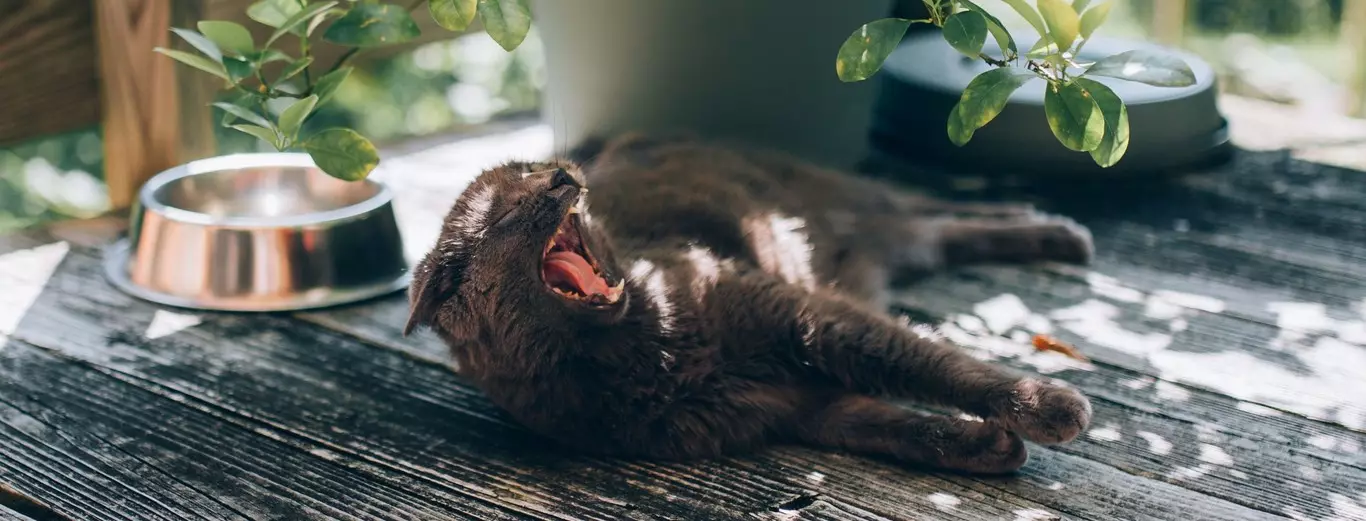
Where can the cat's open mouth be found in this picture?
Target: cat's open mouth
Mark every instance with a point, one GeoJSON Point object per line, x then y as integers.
{"type": "Point", "coordinates": [571, 271]}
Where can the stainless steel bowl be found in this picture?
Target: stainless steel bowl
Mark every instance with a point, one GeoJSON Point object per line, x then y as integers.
{"type": "Point", "coordinates": [259, 232]}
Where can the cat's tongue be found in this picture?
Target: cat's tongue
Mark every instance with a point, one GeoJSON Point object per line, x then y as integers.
{"type": "Point", "coordinates": [572, 268]}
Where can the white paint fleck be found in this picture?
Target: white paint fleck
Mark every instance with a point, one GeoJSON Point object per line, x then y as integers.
{"type": "Point", "coordinates": [1034, 514]}
{"type": "Point", "coordinates": [944, 502]}
{"type": "Point", "coordinates": [23, 274]}
{"type": "Point", "coordinates": [1322, 441]}
{"type": "Point", "coordinates": [165, 323]}
{"type": "Point", "coordinates": [1002, 312]}
{"type": "Point", "coordinates": [1110, 287]}
{"type": "Point", "coordinates": [1156, 443]}
{"type": "Point", "coordinates": [970, 323]}
{"type": "Point", "coordinates": [1311, 473]}
{"type": "Point", "coordinates": [1171, 392]}
{"type": "Point", "coordinates": [1038, 324]}
{"type": "Point", "coordinates": [815, 477]}
{"type": "Point", "coordinates": [1352, 332]}
{"type": "Point", "coordinates": [1346, 508]}
{"type": "Point", "coordinates": [985, 346]}
{"type": "Point", "coordinates": [1140, 383]}
{"type": "Point", "coordinates": [1108, 432]}
{"type": "Point", "coordinates": [1306, 317]}
{"type": "Point", "coordinates": [782, 247]}
{"type": "Point", "coordinates": [1054, 486]}
{"type": "Point", "coordinates": [1214, 455]}
{"type": "Point", "coordinates": [1206, 432]}
{"type": "Point", "coordinates": [970, 417]}
{"type": "Point", "coordinates": [1186, 473]}
{"type": "Point", "coordinates": [1095, 321]}
{"type": "Point", "coordinates": [1238, 474]}
{"type": "Point", "coordinates": [1178, 325]}
{"type": "Point", "coordinates": [1019, 336]}
{"type": "Point", "coordinates": [1257, 409]}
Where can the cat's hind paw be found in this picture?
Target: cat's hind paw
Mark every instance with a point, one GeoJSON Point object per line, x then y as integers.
{"type": "Point", "coordinates": [985, 447]}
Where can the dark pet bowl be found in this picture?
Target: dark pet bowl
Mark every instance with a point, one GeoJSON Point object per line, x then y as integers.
{"type": "Point", "coordinates": [1172, 130]}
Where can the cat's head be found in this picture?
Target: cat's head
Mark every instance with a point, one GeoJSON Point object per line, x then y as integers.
{"type": "Point", "coordinates": [516, 246]}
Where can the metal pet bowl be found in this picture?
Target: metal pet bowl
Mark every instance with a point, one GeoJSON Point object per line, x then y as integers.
{"type": "Point", "coordinates": [258, 232]}
{"type": "Point", "coordinates": [1170, 129]}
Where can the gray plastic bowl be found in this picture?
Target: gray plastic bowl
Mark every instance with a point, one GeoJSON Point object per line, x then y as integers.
{"type": "Point", "coordinates": [1171, 129]}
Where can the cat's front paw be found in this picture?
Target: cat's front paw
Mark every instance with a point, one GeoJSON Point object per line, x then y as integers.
{"type": "Point", "coordinates": [984, 447]}
{"type": "Point", "coordinates": [1043, 413]}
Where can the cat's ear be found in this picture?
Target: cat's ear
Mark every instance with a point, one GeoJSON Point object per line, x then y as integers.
{"type": "Point", "coordinates": [433, 284]}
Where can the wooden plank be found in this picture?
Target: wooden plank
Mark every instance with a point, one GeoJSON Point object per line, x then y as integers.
{"type": "Point", "coordinates": [138, 96]}
{"type": "Point", "coordinates": [360, 402]}
{"type": "Point", "coordinates": [95, 447]}
{"type": "Point", "coordinates": [47, 69]}
{"type": "Point", "coordinates": [280, 366]}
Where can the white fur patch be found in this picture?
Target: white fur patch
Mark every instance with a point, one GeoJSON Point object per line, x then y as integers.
{"type": "Point", "coordinates": [783, 247]}
{"type": "Point", "coordinates": [475, 217]}
{"type": "Point", "coordinates": [706, 270]}
{"type": "Point", "coordinates": [659, 295]}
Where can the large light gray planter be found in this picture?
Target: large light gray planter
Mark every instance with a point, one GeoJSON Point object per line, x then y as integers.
{"type": "Point", "coordinates": [762, 71]}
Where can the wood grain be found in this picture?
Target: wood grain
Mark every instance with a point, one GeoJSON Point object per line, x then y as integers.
{"type": "Point", "coordinates": [47, 69]}
{"type": "Point", "coordinates": [402, 411]}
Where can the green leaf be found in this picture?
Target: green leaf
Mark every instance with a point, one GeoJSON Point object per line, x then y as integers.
{"type": "Point", "coordinates": [327, 85]}
{"type": "Point", "coordinates": [238, 69]}
{"type": "Point", "coordinates": [293, 117]}
{"type": "Point", "coordinates": [274, 12]}
{"type": "Point", "coordinates": [342, 153]}
{"type": "Point", "coordinates": [240, 112]}
{"type": "Point", "coordinates": [864, 51]}
{"type": "Point", "coordinates": [1116, 139]}
{"type": "Point", "coordinates": [453, 15]}
{"type": "Point", "coordinates": [262, 133]}
{"type": "Point", "coordinates": [1145, 66]}
{"type": "Point", "coordinates": [1029, 15]}
{"type": "Point", "coordinates": [196, 61]}
{"type": "Point", "coordinates": [1042, 48]}
{"type": "Point", "coordinates": [506, 21]}
{"type": "Point", "coordinates": [1063, 24]}
{"type": "Point", "coordinates": [269, 55]}
{"type": "Point", "coordinates": [1080, 5]}
{"type": "Point", "coordinates": [372, 25]}
{"type": "Point", "coordinates": [1093, 18]}
{"type": "Point", "coordinates": [294, 20]}
{"type": "Point", "coordinates": [228, 36]}
{"type": "Point", "coordinates": [998, 29]}
{"type": "Point", "coordinates": [320, 18]}
{"type": "Point", "coordinates": [295, 68]}
{"type": "Point", "coordinates": [982, 100]}
{"type": "Point", "coordinates": [1075, 118]}
{"type": "Point", "coordinates": [966, 31]}
{"type": "Point", "coordinates": [198, 41]}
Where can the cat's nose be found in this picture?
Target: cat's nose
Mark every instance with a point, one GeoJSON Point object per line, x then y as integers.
{"type": "Point", "coordinates": [561, 178]}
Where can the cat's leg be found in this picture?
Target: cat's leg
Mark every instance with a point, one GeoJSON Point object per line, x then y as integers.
{"type": "Point", "coordinates": [732, 415]}
{"type": "Point", "coordinates": [871, 353]}
{"type": "Point", "coordinates": [865, 425]}
{"type": "Point", "coordinates": [932, 244]}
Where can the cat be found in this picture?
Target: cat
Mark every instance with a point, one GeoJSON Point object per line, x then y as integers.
{"type": "Point", "coordinates": [674, 299]}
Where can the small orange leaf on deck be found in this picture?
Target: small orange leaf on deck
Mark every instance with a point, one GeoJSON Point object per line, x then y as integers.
{"type": "Point", "coordinates": [1048, 343]}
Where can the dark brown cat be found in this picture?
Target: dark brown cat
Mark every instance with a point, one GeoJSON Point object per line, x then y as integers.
{"type": "Point", "coordinates": [701, 300]}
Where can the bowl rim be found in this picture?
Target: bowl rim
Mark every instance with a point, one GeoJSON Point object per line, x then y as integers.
{"type": "Point", "coordinates": [219, 163]}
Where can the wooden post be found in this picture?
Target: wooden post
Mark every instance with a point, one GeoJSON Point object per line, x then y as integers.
{"type": "Point", "coordinates": [1169, 21]}
{"type": "Point", "coordinates": [138, 94]}
{"type": "Point", "coordinates": [1353, 38]}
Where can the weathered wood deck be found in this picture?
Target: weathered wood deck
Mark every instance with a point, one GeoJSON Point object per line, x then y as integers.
{"type": "Point", "coordinates": [1225, 318]}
